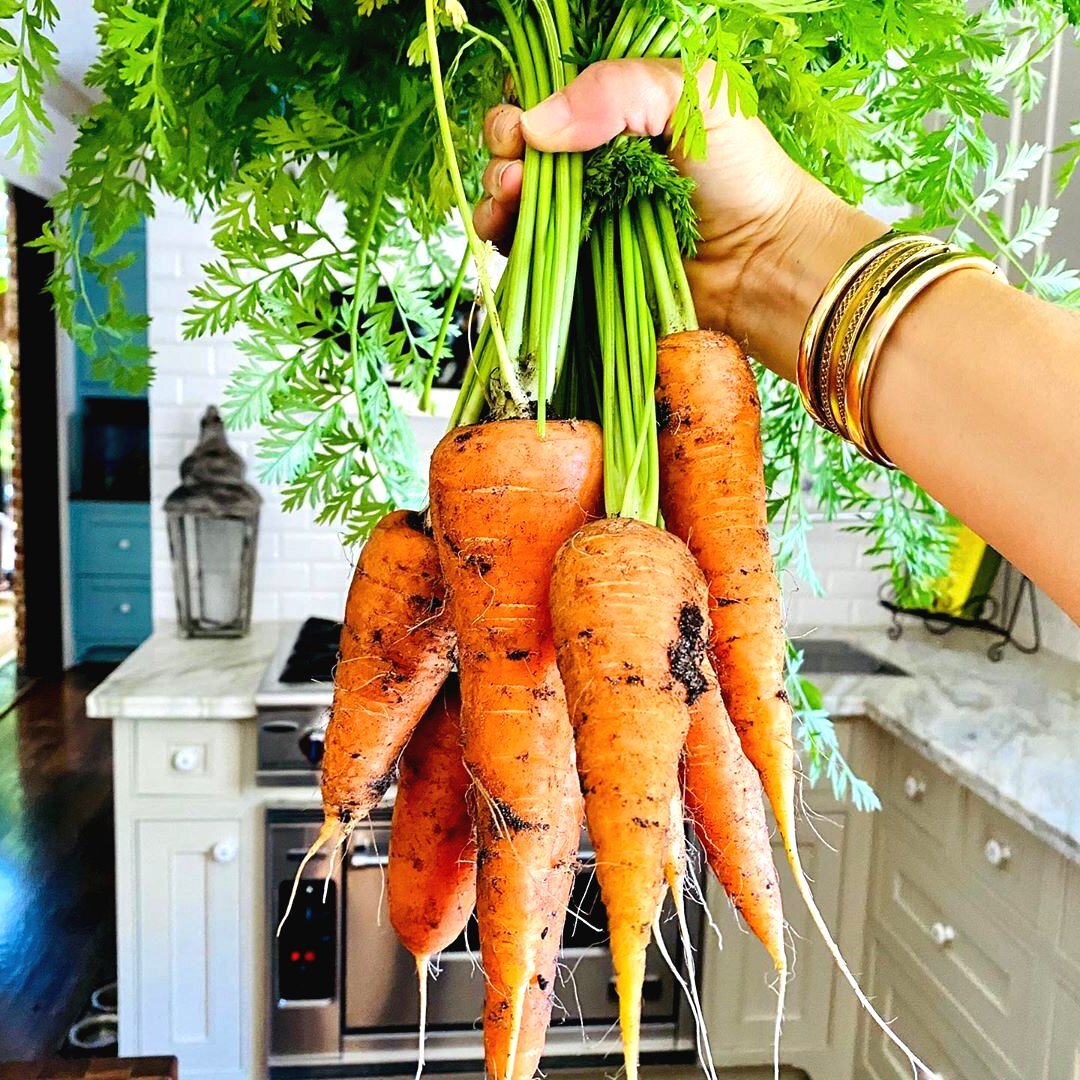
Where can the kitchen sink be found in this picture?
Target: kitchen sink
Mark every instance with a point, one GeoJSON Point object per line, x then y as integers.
{"type": "Point", "coordinates": [827, 656]}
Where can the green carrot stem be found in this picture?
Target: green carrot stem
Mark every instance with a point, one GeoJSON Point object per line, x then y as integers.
{"type": "Point", "coordinates": [605, 310]}
{"type": "Point", "coordinates": [622, 33]}
{"type": "Point", "coordinates": [676, 269]}
{"type": "Point", "coordinates": [622, 358]}
{"type": "Point", "coordinates": [666, 43]}
{"type": "Point", "coordinates": [645, 35]}
{"type": "Point", "coordinates": [479, 252]}
{"type": "Point", "coordinates": [653, 247]}
{"type": "Point", "coordinates": [516, 274]}
{"type": "Point", "coordinates": [444, 328]}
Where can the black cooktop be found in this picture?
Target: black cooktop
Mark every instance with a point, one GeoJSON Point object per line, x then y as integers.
{"type": "Point", "coordinates": [314, 653]}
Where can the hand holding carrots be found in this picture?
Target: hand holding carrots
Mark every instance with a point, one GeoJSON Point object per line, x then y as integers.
{"type": "Point", "coordinates": [764, 221]}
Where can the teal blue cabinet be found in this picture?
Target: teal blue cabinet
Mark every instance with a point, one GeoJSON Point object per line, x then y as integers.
{"type": "Point", "coordinates": [110, 561]}
{"type": "Point", "coordinates": [133, 280]}
{"type": "Point", "coordinates": [108, 511]}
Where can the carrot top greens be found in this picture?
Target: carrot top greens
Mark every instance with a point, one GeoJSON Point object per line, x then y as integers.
{"type": "Point", "coordinates": [313, 133]}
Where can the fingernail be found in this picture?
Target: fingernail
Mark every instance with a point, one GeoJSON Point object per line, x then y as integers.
{"type": "Point", "coordinates": [503, 126]}
{"type": "Point", "coordinates": [548, 118]}
{"type": "Point", "coordinates": [497, 174]}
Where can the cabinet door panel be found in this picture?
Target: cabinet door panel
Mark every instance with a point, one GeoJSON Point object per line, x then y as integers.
{"type": "Point", "coordinates": [952, 933]}
{"type": "Point", "coordinates": [1064, 1060]}
{"type": "Point", "coordinates": [921, 1013]}
{"type": "Point", "coordinates": [1069, 928]}
{"type": "Point", "coordinates": [189, 953]}
{"type": "Point", "coordinates": [739, 980]}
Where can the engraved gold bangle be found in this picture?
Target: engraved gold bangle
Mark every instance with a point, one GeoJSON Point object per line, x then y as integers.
{"type": "Point", "coordinates": [849, 316]}
{"type": "Point", "coordinates": [811, 338]}
{"type": "Point", "coordinates": [822, 309]}
{"type": "Point", "coordinates": [876, 328]}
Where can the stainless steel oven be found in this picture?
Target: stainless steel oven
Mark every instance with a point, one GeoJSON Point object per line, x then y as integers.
{"type": "Point", "coordinates": [343, 995]}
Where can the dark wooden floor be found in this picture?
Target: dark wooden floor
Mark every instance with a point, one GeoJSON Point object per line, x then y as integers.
{"type": "Point", "coordinates": [56, 862]}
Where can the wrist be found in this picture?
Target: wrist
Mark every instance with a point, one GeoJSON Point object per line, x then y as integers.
{"type": "Point", "coordinates": [762, 290]}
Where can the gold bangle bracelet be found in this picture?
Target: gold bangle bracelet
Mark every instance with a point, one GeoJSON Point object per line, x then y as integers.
{"type": "Point", "coordinates": [811, 336]}
{"type": "Point", "coordinates": [849, 316]}
{"type": "Point", "coordinates": [881, 320]}
{"type": "Point", "coordinates": [822, 310]}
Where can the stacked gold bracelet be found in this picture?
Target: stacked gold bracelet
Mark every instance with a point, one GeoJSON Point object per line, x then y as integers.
{"type": "Point", "coordinates": [851, 320]}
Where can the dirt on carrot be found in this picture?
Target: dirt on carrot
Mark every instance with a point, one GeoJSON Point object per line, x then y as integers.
{"type": "Point", "coordinates": [503, 500]}
{"type": "Point", "coordinates": [396, 651]}
{"type": "Point", "coordinates": [628, 609]}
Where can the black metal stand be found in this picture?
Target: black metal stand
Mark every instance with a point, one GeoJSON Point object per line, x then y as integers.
{"type": "Point", "coordinates": [990, 614]}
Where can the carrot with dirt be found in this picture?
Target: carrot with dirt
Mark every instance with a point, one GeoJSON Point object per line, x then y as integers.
{"type": "Point", "coordinates": [396, 652]}
{"type": "Point", "coordinates": [723, 799]}
{"type": "Point", "coordinates": [713, 494]}
{"type": "Point", "coordinates": [503, 500]}
{"type": "Point", "coordinates": [431, 870]}
{"type": "Point", "coordinates": [629, 607]}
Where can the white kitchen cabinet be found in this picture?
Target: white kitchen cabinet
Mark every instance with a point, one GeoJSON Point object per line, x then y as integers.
{"type": "Point", "coordinates": [191, 962]}
{"type": "Point", "coordinates": [1063, 1059]}
{"type": "Point", "coordinates": [738, 981]}
{"type": "Point", "coordinates": [187, 881]}
{"type": "Point", "coordinates": [971, 918]}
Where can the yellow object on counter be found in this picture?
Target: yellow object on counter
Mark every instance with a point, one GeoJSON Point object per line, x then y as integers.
{"type": "Point", "coordinates": [954, 592]}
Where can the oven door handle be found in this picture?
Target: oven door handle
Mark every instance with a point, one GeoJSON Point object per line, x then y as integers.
{"type": "Point", "coordinates": [362, 860]}
{"type": "Point", "coordinates": [298, 854]}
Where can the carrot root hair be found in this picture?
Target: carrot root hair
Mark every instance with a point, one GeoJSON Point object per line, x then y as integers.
{"type": "Point", "coordinates": [781, 999]}
{"type": "Point", "coordinates": [422, 982]}
{"type": "Point", "coordinates": [332, 829]}
{"type": "Point", "coordinates": [689, 984]}
{"type": "Point", "coordinates": [918, 1066]}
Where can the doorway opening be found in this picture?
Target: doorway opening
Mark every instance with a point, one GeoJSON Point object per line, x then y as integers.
{"type": "Point", "coordinates": [31, 591]}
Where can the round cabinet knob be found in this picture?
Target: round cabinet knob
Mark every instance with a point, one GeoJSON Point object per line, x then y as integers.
{"type": "Point", "coordinates": [124, 608]}
{"type": "Point", "coordinates": [186, 759]}
{"type": "Point", "coordinates": [941, 934]}
{"type": "Point", "coordinates": [124, 544]}
{"type": "Point", "coordinates": [914, 788]}
{"type": "Point", "coordinates": [997, 854]}
{"type": "Point", "coordinates": [225, 851]}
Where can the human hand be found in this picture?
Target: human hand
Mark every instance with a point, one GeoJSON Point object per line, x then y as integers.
{"type": "Point", "coordinates": [762, 219]}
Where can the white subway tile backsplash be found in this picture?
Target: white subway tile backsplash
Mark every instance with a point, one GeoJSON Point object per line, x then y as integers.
{"type": "Point", "coordinates": [303, 569]}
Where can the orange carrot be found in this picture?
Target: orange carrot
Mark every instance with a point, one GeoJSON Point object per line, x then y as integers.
{"type": "Point", "coordinates": [396, 651]}
{"type": "Point", "coordinates": [723, 799]}
{"type": "Point", "coordinates": [431, 873]}
{"type": "Point", "coordinates": [712, 494]}
{"type": "Point", "coordinates": [628, 610]}
{"type": "Point", "coordinates": [503, 500]}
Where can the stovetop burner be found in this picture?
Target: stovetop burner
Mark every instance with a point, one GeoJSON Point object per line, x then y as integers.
{"type": "Point", "coordinates": [314, 653]}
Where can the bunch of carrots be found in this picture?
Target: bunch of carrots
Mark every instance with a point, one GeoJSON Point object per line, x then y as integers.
{"type": "Point", "coordinates": [603, 584]}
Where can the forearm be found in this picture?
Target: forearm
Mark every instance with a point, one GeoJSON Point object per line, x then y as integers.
{"type": "Point", "coordinates": [976, 394]}
{"type": "Point", "coordinates": [977, 397]}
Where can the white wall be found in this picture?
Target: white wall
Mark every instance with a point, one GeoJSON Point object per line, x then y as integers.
{"type": "Point", "coordinates": [302, 568]}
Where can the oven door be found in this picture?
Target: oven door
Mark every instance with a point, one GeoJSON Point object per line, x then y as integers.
{"type": "Point", "coordinates": [380, 977]}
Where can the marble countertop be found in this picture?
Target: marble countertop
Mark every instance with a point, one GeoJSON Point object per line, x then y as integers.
{"type": "Point", "coordinates": [1009, 731]}
{"type": "Point", "coordinates": [170, 677]}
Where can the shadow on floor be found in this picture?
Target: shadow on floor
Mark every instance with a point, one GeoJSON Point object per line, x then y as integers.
{"type": "Point", "coordinates": [57, 922]}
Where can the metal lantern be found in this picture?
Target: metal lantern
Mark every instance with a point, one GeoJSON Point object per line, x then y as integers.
{"type": "Point", "coordinates": [213, 521]}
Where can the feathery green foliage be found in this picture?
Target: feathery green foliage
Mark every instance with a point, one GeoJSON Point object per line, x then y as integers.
{"type": "Point", "coordinates": [307, 128]}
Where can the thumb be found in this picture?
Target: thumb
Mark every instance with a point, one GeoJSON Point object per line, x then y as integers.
{"type": "Point", "coordinates": [612, 97]}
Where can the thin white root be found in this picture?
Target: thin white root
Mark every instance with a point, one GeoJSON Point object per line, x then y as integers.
{"type": "Point", "coordinates": [329, 827]}
{"type": "Point", "coordinates": [422, 980]}
{"type": "Point", "coordinates": [781, 998]}
{"type": "Point", "coordinates": [689, 984]}
{"type": "Point", "coordinates": [918, 1066]}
